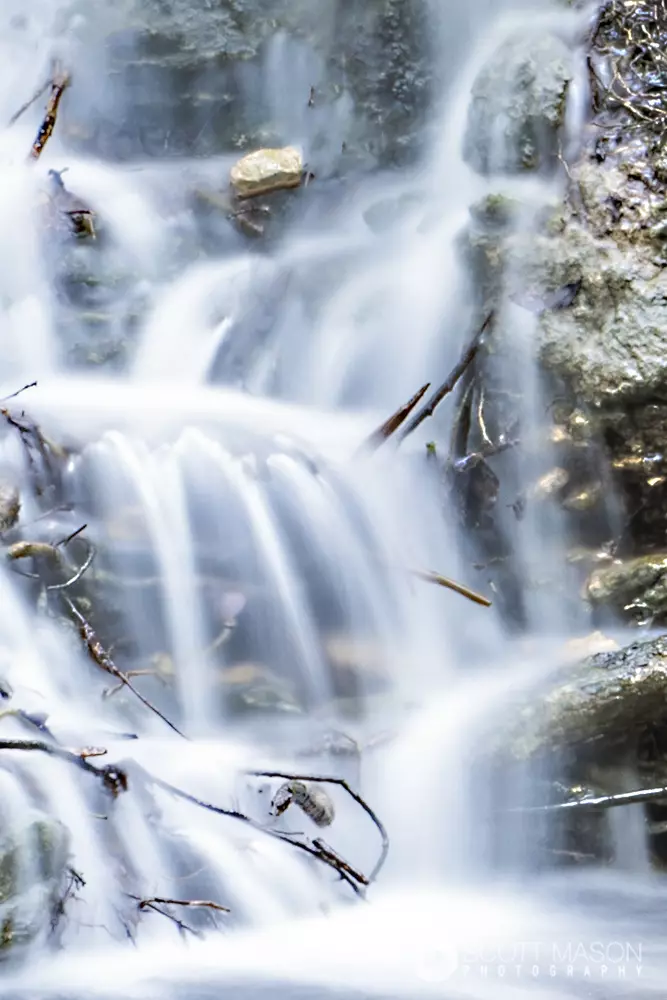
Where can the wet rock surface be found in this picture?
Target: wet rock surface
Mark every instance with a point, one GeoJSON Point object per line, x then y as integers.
{"type": "Point", "coordinates": [33, 870]}
{"type": "Point", "coordinates": [237, 75]}
{"type": "Point", "coordinates": [518, 105]}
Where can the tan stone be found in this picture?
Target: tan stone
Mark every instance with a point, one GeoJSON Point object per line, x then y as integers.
{"type": "Point", "coordinates": [267, 170]}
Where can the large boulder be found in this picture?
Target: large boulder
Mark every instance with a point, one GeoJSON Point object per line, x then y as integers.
{"type": "Point", "coordinates": [33, 870]}
{"type": "Point", "coordinates": [518, 105]}
{"type": "Point", "coordinates": [173, 78]}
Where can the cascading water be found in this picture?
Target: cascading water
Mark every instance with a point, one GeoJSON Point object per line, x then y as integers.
{"type": "Point", "coordinates": [255, 571]}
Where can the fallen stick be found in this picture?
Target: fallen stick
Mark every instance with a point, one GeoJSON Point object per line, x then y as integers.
{"type": "Point", "coordinates": [450, 382]}
{"type": "Point", "coordinates": [59, 84]}
{"type": "Point", "coordinates": [143, 903]}
{"type": "Point", "coordinates": [390, 426]}
{"type": "Point", "coordinates": [342, 783]}
{"type": "Point", "coordinates": [444, 581]}
{"type": "Point", "coordinates": [599, 801]}
{"type": "Point", "coordinates": [112, 777]}
{"type": "Point", "coordinates": [354, 878]}
{"type": "Point", "coordinates": [100, 656]}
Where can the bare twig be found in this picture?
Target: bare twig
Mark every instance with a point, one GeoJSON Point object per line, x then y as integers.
{"type": "Point", "coordinates": [342, 783]}
{"type": "Point", "coordinates": [100, 656]}
{"type": "Point", "coordinates": [24, 107]}
{"type": "Point", "coordinates": [390, 426]}
{"type": "Point", "coordinates": [599, 801]}
{"type": "Point", "coordinates": [355, 879]}
{"type": "Point", "coordinates": [450, 382]}
{"type": "Point", "coordinates": [443, 581]}
{"type": "Point", "coordinates": [207, 903]}
{"type": "Point", "coordinates": [13, 395]}
{"type": "Point", "coordinates": [151, 904]}
{"type": "Point", "coordinates": [113, 778]}
{"type": "Point", "coordinates": [59, 84]}
{"type": "Point", "coordinates": [32, 550]}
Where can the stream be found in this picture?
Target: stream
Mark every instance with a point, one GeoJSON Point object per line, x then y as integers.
{"type": "Point", "coordinates": [255, 567]}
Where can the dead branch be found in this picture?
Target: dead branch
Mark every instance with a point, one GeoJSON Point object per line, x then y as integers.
{"type": "Point", "coordinates": [113, 778]}
{"type": "Point", "coordinates": [37, 448]}
{"type": "Point", "coordinates": [207, 903]}
{"type": "Point", "coordinates": [151, 904]}
{"type": "Point", "coordinates": [443, 581]}
{"type": "Point", "coordinates": [599, 801]}
{"type": "Point", "coordinates": [374, 440]}
{"type": "Point", "coordinates": [13, 395]}
{"type": "Point", "coordinates": [355, 879]}
{"type": "Point", "coordinates": [342, 783]}
{"type": "Point", "coordinates": [450, 382]}
{"type": "Point", "coordinates": [32, 550]}
{"type": "Point", "coordinates": [100, 656]}
{"type": "Point", "coordinates": [24, 107]}
{"type": "Point", "coordinates": [59, 84]}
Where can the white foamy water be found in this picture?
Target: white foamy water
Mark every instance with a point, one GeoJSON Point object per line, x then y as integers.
{"type": "Point", "coordinates": [254, 570]}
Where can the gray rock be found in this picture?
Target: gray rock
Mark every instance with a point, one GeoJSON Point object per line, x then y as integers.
{"type": "Point", "coordinates": [177, 78]}
{"type": "Point", "coordinates": [603, 700]}
{"type": "Point", "coordinates": [518, 105]}
{"type": "Point", "coordinates": [33, 868]}
{"type": "Point", "coordinates": [633, 588]}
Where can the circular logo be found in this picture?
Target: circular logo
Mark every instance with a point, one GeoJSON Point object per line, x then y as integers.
{"type": "Point", "coordinates": [439, 965]}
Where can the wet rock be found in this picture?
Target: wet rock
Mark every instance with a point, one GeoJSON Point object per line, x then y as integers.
{"type": "Point", "coordinates": [252, 687]}
{"type": "Point", "coordinates": [267, 170]}
{"type": "Point", "coordinates": [518, 105]}
{"type": "Point", "coordinates": [603, 701]}
{"type": "Point", "coordinates": [33, 868]}
{"type": "Point", "coordinates": [633, 588]}
{"type": "Point", "coordinates": [173, 78]}
{"type": "Point", "coordinates": [10, 506]}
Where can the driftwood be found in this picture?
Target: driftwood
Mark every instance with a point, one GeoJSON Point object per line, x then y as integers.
{"type": "Point", "coordinates": [429, 576]}
{"type": "Point", "coordinates": [451, 381]}
{"type": "Point", "coordinates": [59, 84]}
{"type": "Point", "coordinates": [391, 425]}
{"type": "Point", "coordinates": [101, 657]}
{"type": "Point", "coordinates": [605, 701]}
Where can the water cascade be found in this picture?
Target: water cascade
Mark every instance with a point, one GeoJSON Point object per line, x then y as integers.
{"type": "Point", "coordinates": [257, 573]}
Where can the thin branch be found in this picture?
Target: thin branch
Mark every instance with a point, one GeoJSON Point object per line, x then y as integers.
{"type": "Point", "coordinates": [112, 777]}
{"type": "Point", "coordinates": [599, 801]}
{"type": "Point", "coordinates": [207, 903]}
{"type": "Point", "coordinates": [443, 581]}
{"type": "Point", "coordinates": [342, 783]}
{"type": "Point", "coordinates": [148, 904]}
{"type": "Point", "coordinates": [31, 550]}
{"type": "Point", "coordinates": [450, 382]}
{"type": "Point", "coordinates": [24, 107]}
{"type": "Point", "coordinates": [13, 395]}
{"type": "Point", "coordinates": [374, 440]}
{"type": "Point", "coordinates": [100, 656]}
{"type": "Point", "coordinates": [355, 879]}
{"type": "Point", "coordinates": [59, 84]}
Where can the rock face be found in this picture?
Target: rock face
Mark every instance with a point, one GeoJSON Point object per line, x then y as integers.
{"type": "Point", "coordinates": [635, 588]}
{"type": "Point", "coordinates": [177, 78]}
{"type": "Point", "coordinates": [33, 865]}
{"type": "Point", "coordinates": [267, 170]}
{"type": "Point", "coordinates": [518, 105]}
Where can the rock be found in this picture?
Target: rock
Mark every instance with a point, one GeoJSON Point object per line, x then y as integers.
{"type": "Point", "coordinates": [33, 868]}
{"type": "Point", "coordinates": [603, 701]}
{"type": "Point", "coordinates": [267, 170]}
{"type": "Point", "coordinates": [178, 79]}
{"type": "Point", "coordinates": [252, 687]}
{"type": "Point", "coordinates": [10, 506]}
{"type": "Point", "coordinates": [631, 586]}
{"type": "Point", "coordinates": [518, 105]}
